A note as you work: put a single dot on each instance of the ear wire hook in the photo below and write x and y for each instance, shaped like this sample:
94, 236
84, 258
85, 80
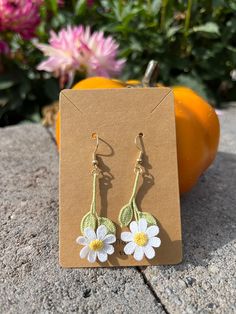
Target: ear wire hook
139, 159
95, 161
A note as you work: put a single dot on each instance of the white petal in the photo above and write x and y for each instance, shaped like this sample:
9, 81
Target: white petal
90, 233
154, 241
101, 232
82, 240
92, 256
109, 249
149, 251
152, 231
110, 238
133, 227
126, 236
138, 253
142, 225
102, 256
129, 248
84, 252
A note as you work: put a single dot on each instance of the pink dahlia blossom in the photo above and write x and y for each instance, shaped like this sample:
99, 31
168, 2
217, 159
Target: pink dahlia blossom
63, 53
98, 54
77, 49
4, 48
20, 16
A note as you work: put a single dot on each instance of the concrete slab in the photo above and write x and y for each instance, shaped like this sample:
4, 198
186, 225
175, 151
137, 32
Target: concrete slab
31, 280
206, 281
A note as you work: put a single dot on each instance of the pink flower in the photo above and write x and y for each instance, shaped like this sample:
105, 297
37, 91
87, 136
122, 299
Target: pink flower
60, 3
63, 53
20, 16
98, 54
90, 3
4, 48
77, 49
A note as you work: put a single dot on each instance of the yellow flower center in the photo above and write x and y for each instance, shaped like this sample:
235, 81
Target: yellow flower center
140, 238
96, 245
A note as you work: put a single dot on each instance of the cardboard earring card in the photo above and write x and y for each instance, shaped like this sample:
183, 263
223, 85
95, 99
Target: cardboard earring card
118, 116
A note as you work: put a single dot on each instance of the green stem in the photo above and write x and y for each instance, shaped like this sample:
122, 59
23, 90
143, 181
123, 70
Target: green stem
135, 187
135, 215
132, 199
136, 211
93, 204
187, 19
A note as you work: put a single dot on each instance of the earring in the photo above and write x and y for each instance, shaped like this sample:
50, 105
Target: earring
96, 244
143, 230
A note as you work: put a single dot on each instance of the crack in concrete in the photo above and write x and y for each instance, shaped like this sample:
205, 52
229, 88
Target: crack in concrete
151, 289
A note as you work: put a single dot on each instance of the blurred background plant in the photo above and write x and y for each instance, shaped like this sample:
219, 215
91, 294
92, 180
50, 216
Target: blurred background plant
193, 41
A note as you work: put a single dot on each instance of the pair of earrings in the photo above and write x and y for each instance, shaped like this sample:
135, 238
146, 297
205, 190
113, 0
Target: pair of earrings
99, 233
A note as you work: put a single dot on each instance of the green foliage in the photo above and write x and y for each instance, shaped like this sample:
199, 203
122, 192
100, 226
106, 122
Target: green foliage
193, 41
125, 215
88, 221
150, 219
111, 228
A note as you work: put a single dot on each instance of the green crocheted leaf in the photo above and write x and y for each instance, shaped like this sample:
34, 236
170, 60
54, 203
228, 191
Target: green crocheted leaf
126, 215
111, 228
150, 219
89, 220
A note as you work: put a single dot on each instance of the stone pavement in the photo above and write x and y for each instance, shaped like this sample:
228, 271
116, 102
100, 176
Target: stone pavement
31, 280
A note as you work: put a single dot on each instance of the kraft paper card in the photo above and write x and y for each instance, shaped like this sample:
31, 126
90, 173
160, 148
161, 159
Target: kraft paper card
118, 116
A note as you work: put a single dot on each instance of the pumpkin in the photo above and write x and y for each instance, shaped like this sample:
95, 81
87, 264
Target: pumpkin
197, 129
197, 134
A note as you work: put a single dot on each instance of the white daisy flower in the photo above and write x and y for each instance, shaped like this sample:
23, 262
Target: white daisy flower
141, 239
96, 245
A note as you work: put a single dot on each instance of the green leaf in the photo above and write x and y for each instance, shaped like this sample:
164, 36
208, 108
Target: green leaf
150, 219
53, 4
155, 5
80, 7
126, 215
89, 220
3, 100
209, 29
6, 84
172, 31
34, 117
111, 228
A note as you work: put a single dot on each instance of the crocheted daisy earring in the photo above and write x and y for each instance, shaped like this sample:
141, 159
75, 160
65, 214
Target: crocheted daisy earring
143, 230
98, 232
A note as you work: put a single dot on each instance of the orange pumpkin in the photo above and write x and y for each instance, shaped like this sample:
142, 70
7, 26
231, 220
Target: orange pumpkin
197, 133
197, 129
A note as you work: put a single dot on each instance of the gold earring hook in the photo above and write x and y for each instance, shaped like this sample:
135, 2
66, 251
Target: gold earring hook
139, 159
95, 161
